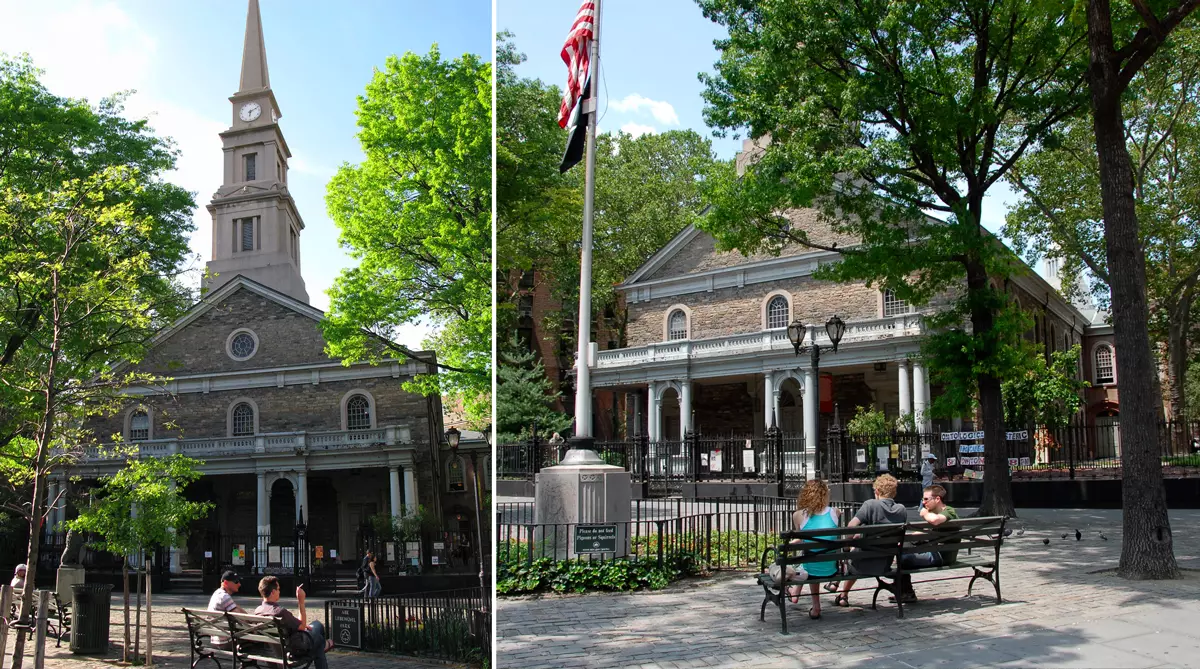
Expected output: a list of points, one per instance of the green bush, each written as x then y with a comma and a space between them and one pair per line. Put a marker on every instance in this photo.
1182, 460
518, 577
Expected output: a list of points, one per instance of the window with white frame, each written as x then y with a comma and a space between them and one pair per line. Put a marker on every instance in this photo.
243, 420
677, 325
455, 478
893, 306
777, 312
358, 413
1105, 366
139, 425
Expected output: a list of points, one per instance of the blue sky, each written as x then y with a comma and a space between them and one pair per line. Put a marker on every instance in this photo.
184, 59
651, 52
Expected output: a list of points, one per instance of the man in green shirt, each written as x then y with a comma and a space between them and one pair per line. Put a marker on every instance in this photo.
934, 511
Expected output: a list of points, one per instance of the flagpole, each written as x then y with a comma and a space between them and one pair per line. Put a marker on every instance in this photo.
582, 440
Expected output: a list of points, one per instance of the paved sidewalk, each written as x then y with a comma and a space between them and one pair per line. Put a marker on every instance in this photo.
171, 641
1060, 610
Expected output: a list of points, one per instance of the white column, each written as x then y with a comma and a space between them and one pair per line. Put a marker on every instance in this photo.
264, 514
905, 392
174, 566
410, 489
920, 398
685, 408
394, 480
51, 511
812, 409
302, 509
928, 425
654, 410
768, 399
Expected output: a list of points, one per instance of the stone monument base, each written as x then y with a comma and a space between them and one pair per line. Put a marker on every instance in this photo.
582, 491
67, 577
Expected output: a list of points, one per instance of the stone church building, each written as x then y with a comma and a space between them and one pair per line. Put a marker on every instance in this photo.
284, 431
708, 352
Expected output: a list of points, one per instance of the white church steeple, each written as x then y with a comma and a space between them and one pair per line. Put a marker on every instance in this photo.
256, 227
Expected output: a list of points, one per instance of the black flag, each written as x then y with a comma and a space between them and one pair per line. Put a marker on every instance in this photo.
578, 133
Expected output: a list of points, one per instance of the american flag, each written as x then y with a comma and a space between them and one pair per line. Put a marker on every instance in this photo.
576, 54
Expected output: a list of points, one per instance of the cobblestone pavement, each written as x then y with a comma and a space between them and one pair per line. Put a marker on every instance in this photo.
1059, 610
171, 641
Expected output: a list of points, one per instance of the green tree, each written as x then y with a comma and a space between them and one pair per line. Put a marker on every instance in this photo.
416, 214
1120, 43
524, 395
877, 112
1044, 391
139, 509
91, 245
1060, 212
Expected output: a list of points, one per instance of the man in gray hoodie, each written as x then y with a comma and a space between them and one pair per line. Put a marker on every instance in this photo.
882, 510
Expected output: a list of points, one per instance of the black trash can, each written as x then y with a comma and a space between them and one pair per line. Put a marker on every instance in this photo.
90, 608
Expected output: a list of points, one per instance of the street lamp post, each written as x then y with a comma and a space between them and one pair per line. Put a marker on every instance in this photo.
834, 329
453, 436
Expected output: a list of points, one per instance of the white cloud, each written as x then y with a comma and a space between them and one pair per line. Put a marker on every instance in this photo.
662, 112
299, 164
637, 129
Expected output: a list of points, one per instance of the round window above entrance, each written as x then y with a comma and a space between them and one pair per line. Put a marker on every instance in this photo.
241, 345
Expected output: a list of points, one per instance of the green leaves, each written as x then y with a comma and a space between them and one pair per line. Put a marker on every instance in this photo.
416, 214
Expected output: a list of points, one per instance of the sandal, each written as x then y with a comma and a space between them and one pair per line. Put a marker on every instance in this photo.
832, 586
812, 617
793, 593
841, 600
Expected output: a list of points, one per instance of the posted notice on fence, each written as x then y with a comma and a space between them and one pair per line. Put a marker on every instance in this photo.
346, 621
595, 539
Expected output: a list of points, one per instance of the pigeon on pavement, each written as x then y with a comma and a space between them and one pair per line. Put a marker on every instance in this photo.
1008, 531
1021, 532
1078, 535
1064, 536
1046, 541
1103, 537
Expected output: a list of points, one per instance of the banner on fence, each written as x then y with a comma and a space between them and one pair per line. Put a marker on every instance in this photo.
970, 448
595, 539
748, 461
347, 625
950, 462
714, 461
971, 461
390, 548
1019, 435
239, 555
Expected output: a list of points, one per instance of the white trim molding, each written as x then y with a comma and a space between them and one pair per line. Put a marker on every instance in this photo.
767, 302
370, 407
229, 344
229, 416
1092, 360
687, 317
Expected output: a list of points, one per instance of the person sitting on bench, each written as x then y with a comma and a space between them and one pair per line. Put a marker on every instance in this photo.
814, 513
268, 587
882, 510
934, 511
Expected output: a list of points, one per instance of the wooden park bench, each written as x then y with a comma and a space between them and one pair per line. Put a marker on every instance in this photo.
264, 640
58, 621
977, 541
807, 547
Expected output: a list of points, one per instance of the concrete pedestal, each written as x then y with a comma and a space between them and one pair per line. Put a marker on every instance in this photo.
67, 577
580, 491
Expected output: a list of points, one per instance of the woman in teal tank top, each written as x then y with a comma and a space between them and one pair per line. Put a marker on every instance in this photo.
814, 513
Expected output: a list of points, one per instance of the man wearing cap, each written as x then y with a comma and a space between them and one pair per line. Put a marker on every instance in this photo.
222, 599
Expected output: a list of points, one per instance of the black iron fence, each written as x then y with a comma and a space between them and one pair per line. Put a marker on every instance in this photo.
662, 467
450, 625
713, 533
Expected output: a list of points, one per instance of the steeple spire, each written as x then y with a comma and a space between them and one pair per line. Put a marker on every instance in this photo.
254, 54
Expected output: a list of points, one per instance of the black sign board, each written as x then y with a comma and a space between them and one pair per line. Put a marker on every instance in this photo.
595, 539
346, 624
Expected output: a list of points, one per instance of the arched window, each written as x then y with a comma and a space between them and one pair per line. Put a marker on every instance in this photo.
677, 325
243, 420
1106, 369
139, 425
777, 312
893, 306
455, 479
358, 413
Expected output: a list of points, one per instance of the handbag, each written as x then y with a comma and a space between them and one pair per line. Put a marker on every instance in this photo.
789, 573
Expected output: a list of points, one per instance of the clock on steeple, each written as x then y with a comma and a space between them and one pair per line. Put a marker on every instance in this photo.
256, 227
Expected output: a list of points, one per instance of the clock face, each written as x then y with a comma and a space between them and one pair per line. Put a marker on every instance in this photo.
250, 111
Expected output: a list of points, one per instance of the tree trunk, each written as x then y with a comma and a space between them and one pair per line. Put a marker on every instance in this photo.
137, 611
1147, 549
997, 482
37, 509
125, 579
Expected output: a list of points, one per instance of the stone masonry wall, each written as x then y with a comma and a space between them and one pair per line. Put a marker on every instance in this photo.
285, 337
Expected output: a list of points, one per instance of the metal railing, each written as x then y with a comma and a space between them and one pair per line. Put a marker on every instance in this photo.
450, 625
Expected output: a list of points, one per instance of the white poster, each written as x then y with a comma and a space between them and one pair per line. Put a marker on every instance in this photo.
434, 559
391, 551
714, 461
860, 456
748, 460
439, 545
950, 462
273, 555
881, 454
